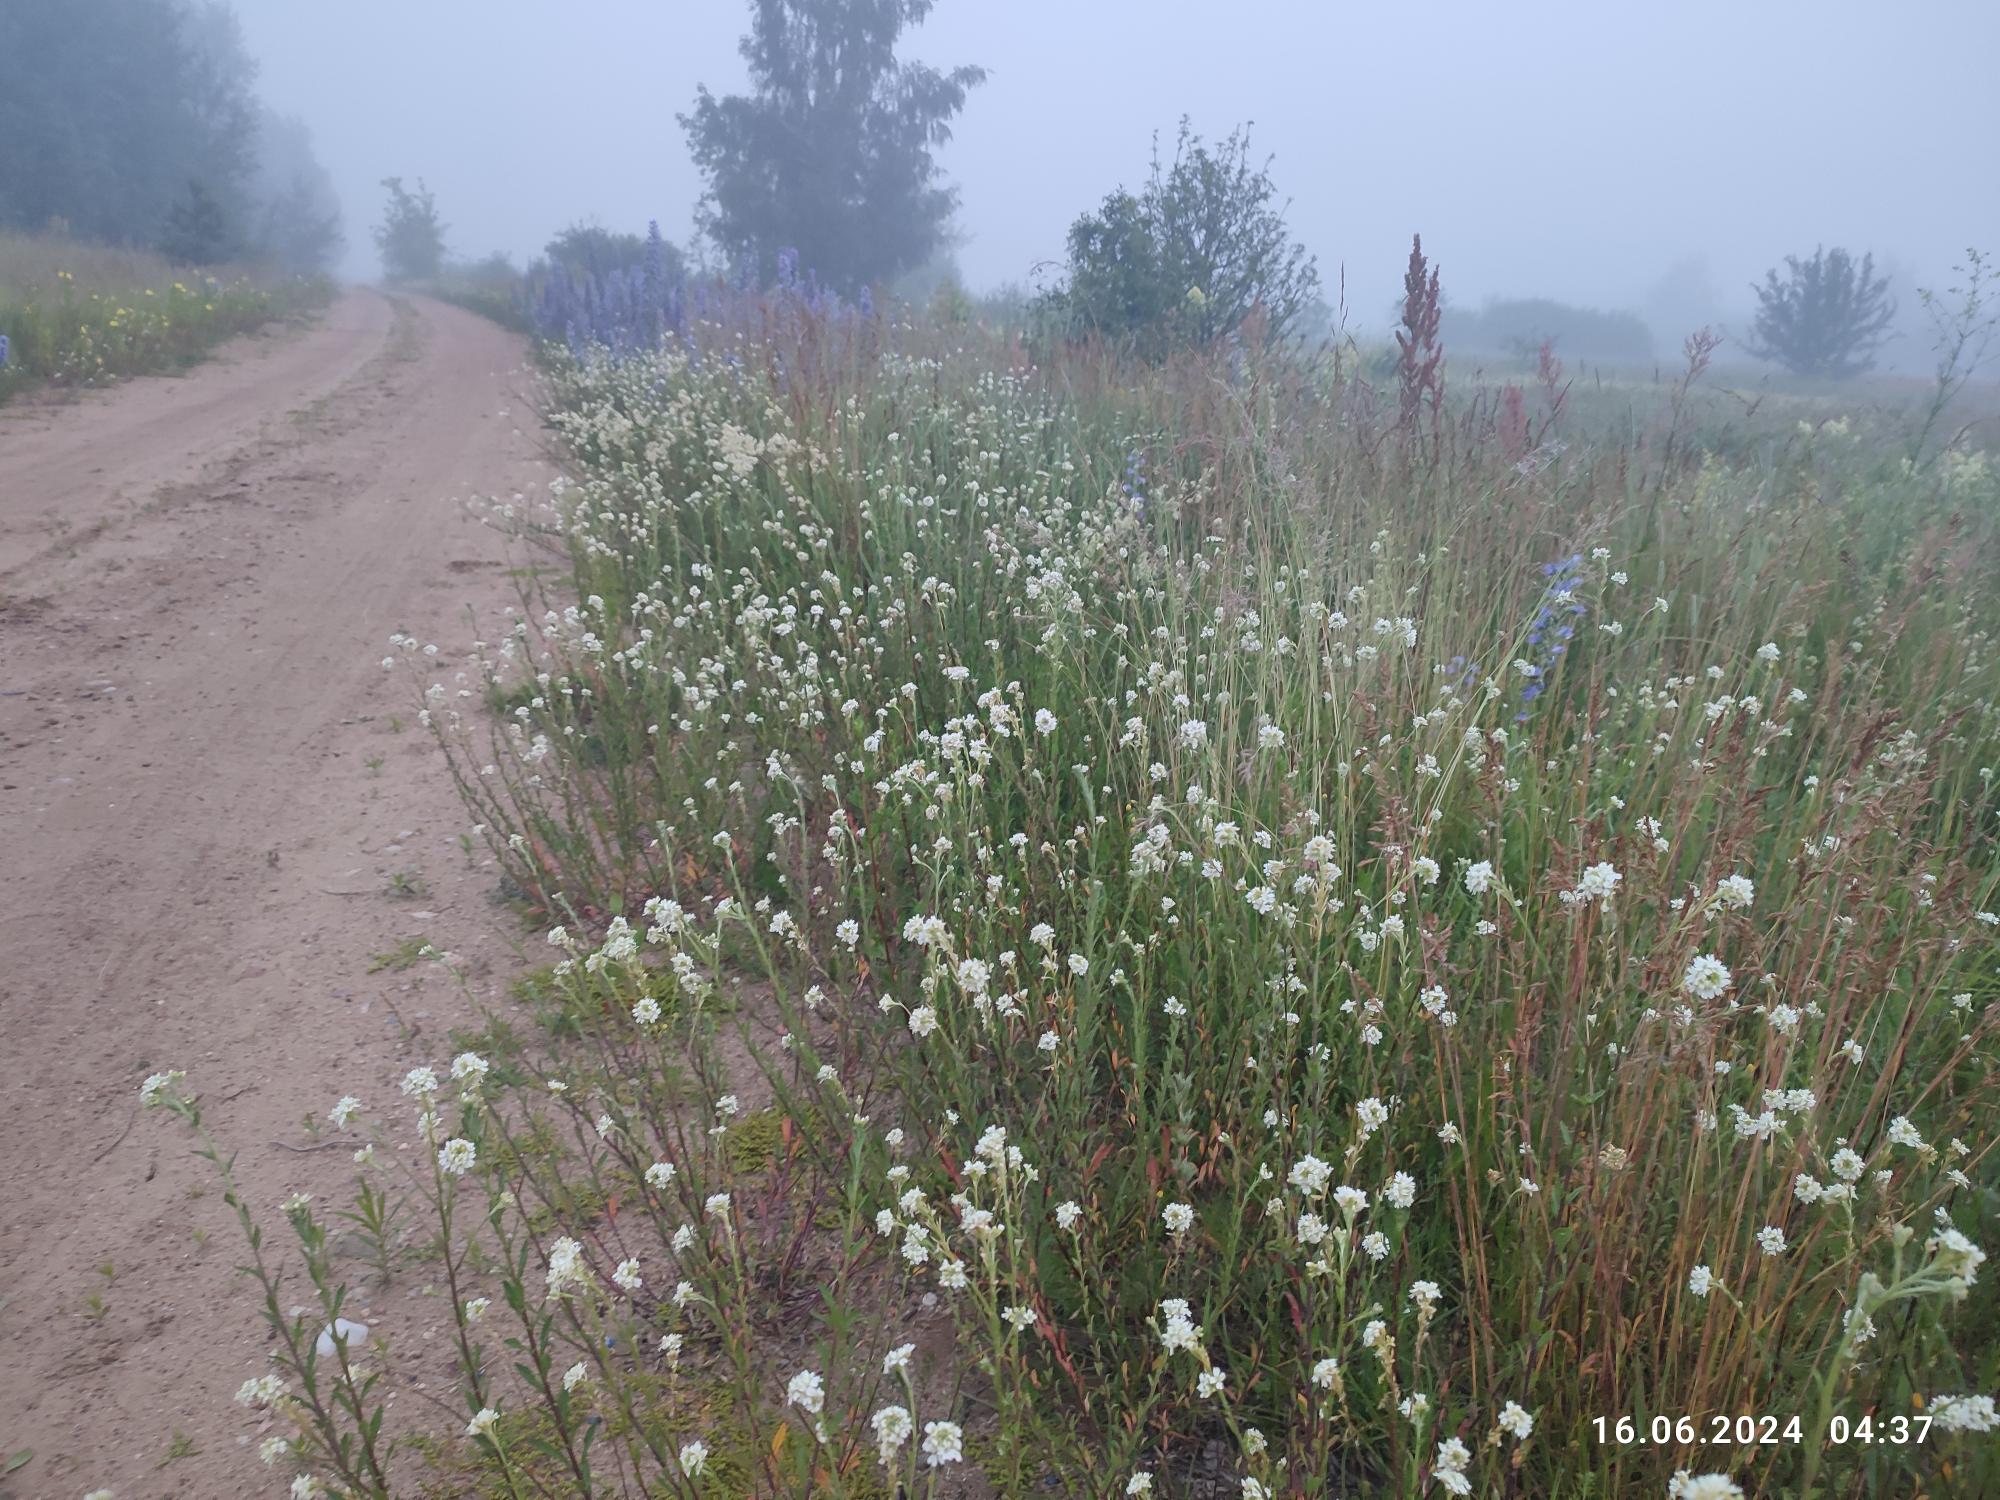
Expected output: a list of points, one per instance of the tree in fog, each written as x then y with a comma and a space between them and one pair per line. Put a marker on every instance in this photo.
1825, 317
1190, 257
197, 232
136, 122
295, 211
222, 102
410, 236
110, 108
829, 154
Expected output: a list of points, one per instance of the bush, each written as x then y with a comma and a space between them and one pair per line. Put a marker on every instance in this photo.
591, 250
197, 233
1825, 318
410, 236
1190, 259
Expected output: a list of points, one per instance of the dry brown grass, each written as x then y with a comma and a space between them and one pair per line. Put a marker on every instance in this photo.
34, 263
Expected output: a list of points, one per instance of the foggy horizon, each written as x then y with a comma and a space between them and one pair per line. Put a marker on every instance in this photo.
1576, 156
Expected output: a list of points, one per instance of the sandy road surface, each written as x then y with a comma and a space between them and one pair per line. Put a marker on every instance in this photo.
204, 800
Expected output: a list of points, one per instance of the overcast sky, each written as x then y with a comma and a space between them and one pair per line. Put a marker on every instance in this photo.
1576, 149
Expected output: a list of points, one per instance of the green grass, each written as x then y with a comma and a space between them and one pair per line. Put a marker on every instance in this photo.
405, 955
1154, 800
491, 288
78, 315
990, 532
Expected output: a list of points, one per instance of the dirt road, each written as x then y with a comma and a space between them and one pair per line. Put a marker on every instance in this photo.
216, 811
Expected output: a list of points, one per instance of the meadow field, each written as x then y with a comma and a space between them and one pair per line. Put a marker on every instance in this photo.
76, 314
924, 751
1188, 929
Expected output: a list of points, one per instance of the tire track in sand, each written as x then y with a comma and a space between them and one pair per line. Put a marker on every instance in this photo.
196, 852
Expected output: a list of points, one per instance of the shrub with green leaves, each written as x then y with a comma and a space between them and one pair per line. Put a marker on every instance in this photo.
1193, 257
1825, 317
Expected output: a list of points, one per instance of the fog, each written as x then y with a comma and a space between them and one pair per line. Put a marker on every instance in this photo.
1655, 158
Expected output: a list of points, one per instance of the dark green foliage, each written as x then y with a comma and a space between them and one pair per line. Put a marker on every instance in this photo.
597, 251
491, 287
197, 233
1189, 259
410, 236
221, 100
1118, 284
1520, 326
1826, 317
108, 108
494, 270
829, 155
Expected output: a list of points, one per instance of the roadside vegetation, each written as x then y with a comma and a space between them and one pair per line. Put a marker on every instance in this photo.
1350, 947
151, 205
1140, 902
74, 315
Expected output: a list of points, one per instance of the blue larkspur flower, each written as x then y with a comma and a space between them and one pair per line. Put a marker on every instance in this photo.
1553, 626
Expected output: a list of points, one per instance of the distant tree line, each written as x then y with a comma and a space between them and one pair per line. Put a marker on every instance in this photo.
1520, 326
137, 122
592, 250
825, 170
